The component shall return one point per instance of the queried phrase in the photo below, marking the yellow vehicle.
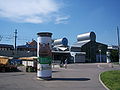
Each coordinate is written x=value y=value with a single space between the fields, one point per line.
x=5 y=65
x=4 y=60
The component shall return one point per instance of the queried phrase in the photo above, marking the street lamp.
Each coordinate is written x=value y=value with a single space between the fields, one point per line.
x=108 y=56
x=100 y=55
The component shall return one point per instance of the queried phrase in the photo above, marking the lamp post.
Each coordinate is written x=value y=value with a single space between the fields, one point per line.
x=100 y=55
x=108 y=57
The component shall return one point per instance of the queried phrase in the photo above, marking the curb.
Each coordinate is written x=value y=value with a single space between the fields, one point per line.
x=103 y=83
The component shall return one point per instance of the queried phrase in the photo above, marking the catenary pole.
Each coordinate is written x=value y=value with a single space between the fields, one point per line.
x=118 y=43
x=15 y=37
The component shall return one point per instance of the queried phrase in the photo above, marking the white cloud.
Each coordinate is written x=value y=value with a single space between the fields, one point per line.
x=62 y=19
x=34 y=20
x=31 y=11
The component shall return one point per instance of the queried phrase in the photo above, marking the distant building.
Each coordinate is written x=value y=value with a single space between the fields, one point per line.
x=6 y=50
x=94 y=51
x=28 y=50
x=114 y=53
x=6 y=47
x=112 y=47
x=60 y=49
x=30 y=46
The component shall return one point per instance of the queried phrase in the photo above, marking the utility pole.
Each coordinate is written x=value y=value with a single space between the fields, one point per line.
x=118 y=43
x=15 y=37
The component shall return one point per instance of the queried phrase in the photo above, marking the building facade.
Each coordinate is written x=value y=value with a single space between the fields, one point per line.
x=94 y=51
x=6 y=50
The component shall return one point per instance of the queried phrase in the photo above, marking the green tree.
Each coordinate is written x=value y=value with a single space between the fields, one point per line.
x=114 y=56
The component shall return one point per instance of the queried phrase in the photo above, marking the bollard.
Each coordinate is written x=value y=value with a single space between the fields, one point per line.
x=44 y=68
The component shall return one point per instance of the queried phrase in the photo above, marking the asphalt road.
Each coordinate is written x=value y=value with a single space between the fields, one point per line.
x=75 y=77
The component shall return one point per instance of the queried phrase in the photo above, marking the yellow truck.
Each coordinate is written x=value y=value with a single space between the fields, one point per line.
x=4 y=60
x=5 y=65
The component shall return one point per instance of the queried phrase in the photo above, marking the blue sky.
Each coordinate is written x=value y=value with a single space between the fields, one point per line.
x=64 y=18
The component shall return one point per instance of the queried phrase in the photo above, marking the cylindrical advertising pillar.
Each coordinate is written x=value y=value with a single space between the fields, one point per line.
x=44 y=68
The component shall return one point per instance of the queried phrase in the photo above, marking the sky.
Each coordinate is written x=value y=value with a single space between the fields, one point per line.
x=63 y=18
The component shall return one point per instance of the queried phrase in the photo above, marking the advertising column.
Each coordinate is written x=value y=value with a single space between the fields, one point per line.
x=44 y=54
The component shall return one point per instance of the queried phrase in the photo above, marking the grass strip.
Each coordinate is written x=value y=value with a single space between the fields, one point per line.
x=111 y=79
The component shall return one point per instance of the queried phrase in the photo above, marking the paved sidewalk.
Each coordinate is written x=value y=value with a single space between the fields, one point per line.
x=75 y=77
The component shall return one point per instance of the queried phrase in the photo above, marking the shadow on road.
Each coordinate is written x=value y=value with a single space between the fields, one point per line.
x=70 y=79
x=55 y=71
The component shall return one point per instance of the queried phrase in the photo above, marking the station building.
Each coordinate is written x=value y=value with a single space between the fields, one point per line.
x=94 y=51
